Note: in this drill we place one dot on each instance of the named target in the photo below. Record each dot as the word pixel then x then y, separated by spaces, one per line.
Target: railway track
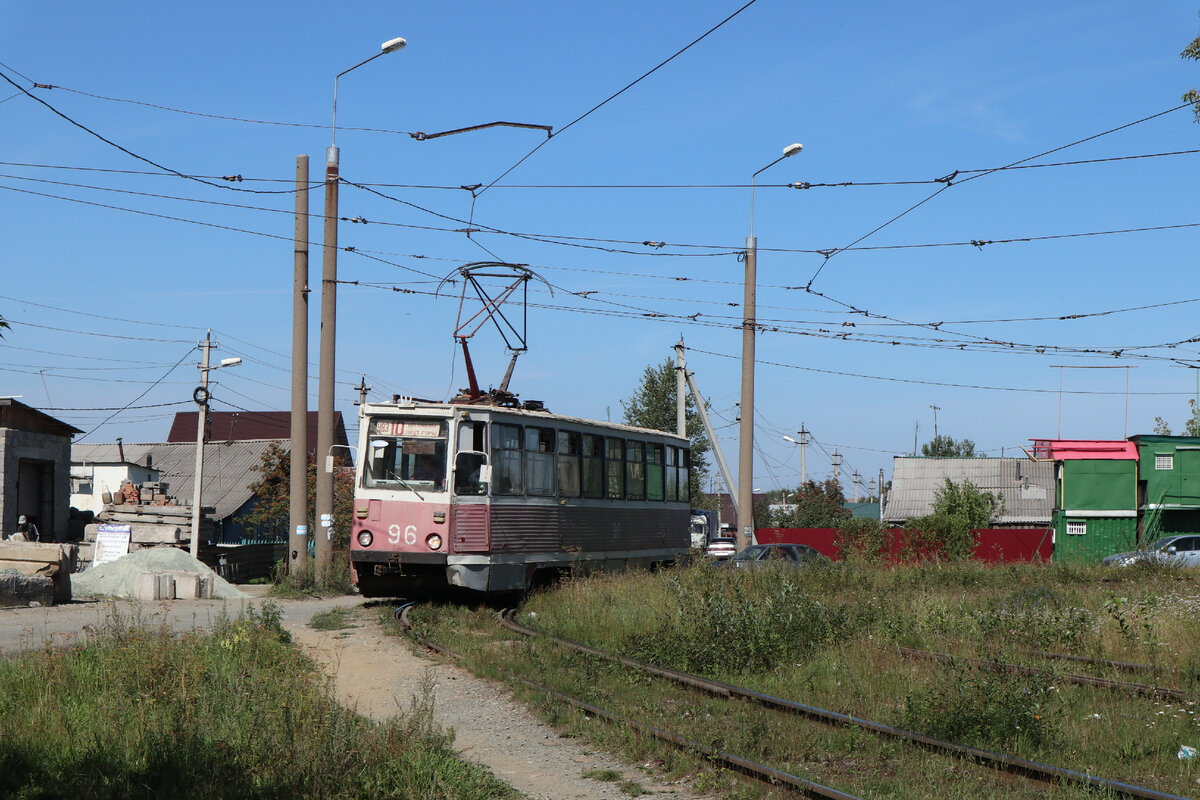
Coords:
pixel 994 760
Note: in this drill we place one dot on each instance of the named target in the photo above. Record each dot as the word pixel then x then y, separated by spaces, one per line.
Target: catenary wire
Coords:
pixel 139 397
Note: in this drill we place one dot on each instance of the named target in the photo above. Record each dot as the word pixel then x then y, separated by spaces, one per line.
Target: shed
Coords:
pixel 1168 484
pixel 1096 496
pixel 1027 487
pixel 35 469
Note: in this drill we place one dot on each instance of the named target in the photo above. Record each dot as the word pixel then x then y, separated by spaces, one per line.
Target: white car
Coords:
pixel 1180 550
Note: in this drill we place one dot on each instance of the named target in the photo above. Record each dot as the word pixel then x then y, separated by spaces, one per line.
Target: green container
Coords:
pixel 1090 539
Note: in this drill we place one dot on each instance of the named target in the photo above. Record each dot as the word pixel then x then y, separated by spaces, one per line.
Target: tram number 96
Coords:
pixel 410 534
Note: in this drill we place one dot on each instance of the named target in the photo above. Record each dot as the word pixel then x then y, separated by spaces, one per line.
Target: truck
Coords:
pixel 704 527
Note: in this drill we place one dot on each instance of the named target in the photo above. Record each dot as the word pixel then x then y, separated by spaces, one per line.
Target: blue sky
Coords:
pixel 104 297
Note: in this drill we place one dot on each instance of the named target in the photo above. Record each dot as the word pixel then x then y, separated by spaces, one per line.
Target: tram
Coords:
pixel 497 497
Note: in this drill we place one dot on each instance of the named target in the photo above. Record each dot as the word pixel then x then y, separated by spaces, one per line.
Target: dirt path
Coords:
pixel 378 674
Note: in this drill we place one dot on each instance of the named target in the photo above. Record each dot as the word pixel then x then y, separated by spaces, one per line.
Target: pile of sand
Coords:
pixel 116 578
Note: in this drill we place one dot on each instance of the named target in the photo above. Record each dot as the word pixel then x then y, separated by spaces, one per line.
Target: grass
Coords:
pixel 140 712
pixel 830 638
pixel 336 619
pixel 332 582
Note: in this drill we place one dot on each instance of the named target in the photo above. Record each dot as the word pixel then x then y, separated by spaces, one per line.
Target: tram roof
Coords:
pixel 545 416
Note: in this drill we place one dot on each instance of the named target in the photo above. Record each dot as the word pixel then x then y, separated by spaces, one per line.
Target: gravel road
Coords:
pixel 377 675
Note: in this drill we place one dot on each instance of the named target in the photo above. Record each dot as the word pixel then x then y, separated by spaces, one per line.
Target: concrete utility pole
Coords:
pixel 935 410
pixel 745 487
pixel 298 475
pixel 680 390
pixel 837 465
pixel 201 397
pixel 857 481
pixel 803 447
pixel 325 387
pixel 362 391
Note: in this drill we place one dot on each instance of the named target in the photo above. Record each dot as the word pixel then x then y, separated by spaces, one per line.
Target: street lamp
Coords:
pixel 201 397
pixel 325 380
pixel 803 442
pixel 746 439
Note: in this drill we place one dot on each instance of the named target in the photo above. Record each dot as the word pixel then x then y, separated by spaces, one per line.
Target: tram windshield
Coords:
pixel 406 455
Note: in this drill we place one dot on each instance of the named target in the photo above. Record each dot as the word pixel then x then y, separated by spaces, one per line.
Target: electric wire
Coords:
pixel 139 397
pixel 132 154
pixel 616 94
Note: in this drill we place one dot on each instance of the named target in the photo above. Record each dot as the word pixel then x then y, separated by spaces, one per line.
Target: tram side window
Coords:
pixel 614 468
pixel 471 459
pixel 593 466
pixel 672 475
pixel 539 461
pixel 568 464
pixel 685 478
pixel 635 470
pixel 654 472
pixel 507 471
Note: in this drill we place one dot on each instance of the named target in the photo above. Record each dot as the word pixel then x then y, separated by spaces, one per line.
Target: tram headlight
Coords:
pixel 365 538
pixel 434 541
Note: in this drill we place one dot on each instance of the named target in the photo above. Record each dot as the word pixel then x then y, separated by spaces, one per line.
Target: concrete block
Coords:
pixel 187 585
pixel 154 586
pixel 204 589
pixel 18 589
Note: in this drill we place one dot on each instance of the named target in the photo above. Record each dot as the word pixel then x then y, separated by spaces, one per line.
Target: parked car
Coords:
pixel 721 547
pixel 1181 550
pixel 796 555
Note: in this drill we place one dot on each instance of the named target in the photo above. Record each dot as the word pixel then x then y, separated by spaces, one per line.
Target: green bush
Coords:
pixel 862 540
pixel 984 706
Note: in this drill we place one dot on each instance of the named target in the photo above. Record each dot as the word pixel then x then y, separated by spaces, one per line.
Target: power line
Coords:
pixel 128 152
pixel 139 397
pixel 616 94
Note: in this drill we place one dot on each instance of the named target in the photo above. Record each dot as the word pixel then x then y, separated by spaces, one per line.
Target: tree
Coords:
pixel 815 505
pixel 946 447
pixel 1190 428
pixel 652 405
pixel 959 509
pixel 272 511
pixel 1192 52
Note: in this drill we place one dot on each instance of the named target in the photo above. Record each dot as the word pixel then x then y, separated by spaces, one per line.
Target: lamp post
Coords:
pixel 746 439
pixel 325 381
pixel 201 396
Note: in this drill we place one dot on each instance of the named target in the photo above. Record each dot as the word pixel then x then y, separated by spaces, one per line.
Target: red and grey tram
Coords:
pixel 496 499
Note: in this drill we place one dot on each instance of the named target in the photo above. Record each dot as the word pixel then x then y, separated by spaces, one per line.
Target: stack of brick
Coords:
pixel 150 493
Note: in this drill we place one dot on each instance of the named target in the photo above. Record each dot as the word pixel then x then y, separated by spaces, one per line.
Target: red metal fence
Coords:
pixel 992 546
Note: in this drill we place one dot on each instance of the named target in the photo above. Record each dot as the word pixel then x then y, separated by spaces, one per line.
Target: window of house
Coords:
pixel 1076 528
pixel 1164 461
pixel 539 461
pixel 685 480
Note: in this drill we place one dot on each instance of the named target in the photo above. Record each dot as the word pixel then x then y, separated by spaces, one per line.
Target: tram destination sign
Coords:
pixel 420 430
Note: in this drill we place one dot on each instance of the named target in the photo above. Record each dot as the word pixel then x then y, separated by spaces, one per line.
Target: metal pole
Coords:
pixel 745 488
pixel 298 486
pixel 680 391
pixel 201 421
pixel 325 385
pixel 718 455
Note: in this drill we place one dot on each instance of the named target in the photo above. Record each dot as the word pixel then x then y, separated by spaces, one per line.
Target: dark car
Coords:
pixel 795 555
pixel 1181 551
pixel 721 547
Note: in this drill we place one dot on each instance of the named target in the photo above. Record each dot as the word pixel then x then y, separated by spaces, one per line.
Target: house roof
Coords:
pixel 228 467
pixel 233 426
pixel 1080 449
pixel 15 414
pixel 1026 486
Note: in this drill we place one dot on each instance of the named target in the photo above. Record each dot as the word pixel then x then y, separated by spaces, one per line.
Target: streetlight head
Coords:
pixel 792 149
pixel 790 439
pixel 392 45
pixel 230 362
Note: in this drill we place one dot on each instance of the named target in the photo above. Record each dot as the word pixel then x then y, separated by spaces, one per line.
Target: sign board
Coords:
pixel 424 430
pixel 112 542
